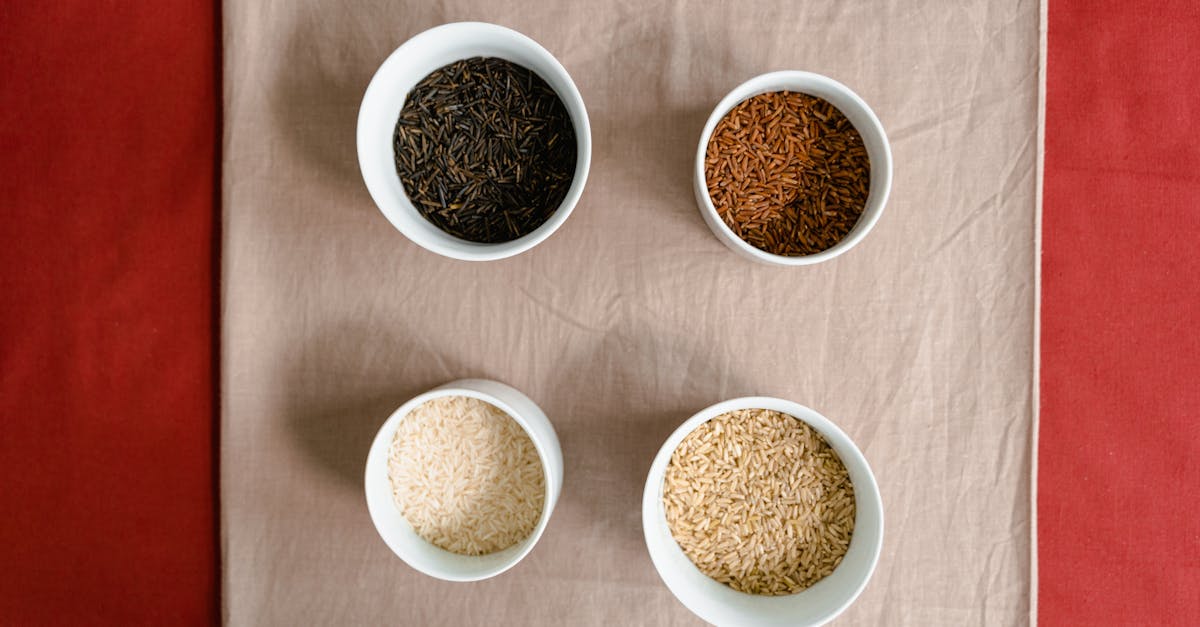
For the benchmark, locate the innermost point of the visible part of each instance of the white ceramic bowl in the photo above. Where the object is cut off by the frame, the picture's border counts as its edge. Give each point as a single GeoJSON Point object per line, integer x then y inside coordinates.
{"type": "Point", "coordinates": [384, 99]}
{"type": "Point", "coordinates": [399, 535]}
{"type": "Point", "coordinates": [859, 114]}
{"type": "Point", "coordinates": [721, 605]}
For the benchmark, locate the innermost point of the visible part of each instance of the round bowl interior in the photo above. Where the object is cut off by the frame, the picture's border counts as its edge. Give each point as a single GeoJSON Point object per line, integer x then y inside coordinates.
{"type": "Point", "coordinates": [859, 114]}
{"type": "Point", "coordinates": [399, 535]}
{"type": "Point", "coordinates": [403, 69]}
{"type": "Point", "coordinates": [722, 605]}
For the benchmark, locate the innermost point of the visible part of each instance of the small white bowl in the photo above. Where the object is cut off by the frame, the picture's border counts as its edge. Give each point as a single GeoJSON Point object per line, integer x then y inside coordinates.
{"type": "Point", "coordinates": [398, 534]}
{"type": "Point", "coordinates": [721, 605]}
{"type": "Point", "coordinates": [859, 114]}
{"type": "Point", "coordinates": [384, 99]}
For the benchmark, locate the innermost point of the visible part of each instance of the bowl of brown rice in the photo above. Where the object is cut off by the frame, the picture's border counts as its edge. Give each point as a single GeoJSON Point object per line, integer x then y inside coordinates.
{"type": "Point", "coordinates": [793, 168]}
{"type": "Point", "coordinates": [461, 480]}
{"type": "Point", "coordinates": [760, 511]}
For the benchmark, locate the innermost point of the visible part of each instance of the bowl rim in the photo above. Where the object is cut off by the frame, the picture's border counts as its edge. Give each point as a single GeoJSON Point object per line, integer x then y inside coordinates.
{"type": "Point", "coordinates": [867, 495]}
{"type": "Point", "coordinates": [572, 101]}
{"type": "Point", "coordinates": [379, 448]}
{"type": "Point", "coordinates": [759, 85]}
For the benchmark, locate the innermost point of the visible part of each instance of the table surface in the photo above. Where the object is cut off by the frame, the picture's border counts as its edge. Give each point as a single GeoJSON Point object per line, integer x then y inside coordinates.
{"type": "Point", "coordinates": [631, 317]}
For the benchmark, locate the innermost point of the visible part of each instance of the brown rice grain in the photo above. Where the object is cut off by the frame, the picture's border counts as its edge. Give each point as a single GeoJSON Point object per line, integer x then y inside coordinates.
{"type": "Point", "coordinates": [759, 501]}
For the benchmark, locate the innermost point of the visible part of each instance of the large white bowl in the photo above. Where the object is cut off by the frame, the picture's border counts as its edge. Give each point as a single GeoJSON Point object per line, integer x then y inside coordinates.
{"type": "Point", "coordinates": [859, 114]}
{"type": "Point", "coordinates": [398, 534]}
{"type": "Point", "coordinates": [384, 99]}
{"type": "Point", "coordinates": [721, 605]}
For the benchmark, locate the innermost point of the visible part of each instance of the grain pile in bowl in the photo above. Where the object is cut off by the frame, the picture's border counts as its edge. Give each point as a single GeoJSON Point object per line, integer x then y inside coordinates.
{"type": "Point", "coordinates": [759, 501]}
{"type": "Point", "coordinates": [485, 149]}
{"type": "Point", "coordinates": [466, 476]}
{"type": "Point", "coordinates": [788, 173]}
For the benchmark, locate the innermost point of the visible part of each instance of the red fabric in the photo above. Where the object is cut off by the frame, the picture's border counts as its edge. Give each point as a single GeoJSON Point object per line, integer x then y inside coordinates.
{"type": "Point", "coordinates": [1119, 461]}
{"type": "Point", "coordinates": [108, 113]}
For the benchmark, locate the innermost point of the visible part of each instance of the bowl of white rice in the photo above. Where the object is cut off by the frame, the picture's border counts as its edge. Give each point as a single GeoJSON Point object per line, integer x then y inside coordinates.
{"type": "Point", "coordinates": [461, 480]}
{"type": "Point", "coordinates": [760, 511]}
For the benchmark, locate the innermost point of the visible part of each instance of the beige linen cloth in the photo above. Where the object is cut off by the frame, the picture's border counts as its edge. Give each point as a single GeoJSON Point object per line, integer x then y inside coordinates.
{"type": "Point", "coordinates": [633, 316]}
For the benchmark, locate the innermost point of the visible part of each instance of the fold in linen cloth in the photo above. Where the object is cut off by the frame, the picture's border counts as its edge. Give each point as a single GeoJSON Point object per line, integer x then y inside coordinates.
{"type": "Point", "coordinates": [918, 343]}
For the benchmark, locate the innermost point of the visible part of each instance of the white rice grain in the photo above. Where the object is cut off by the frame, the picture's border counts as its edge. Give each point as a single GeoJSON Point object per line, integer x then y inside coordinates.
{"type": "Point", "coordinates": [466, 476]}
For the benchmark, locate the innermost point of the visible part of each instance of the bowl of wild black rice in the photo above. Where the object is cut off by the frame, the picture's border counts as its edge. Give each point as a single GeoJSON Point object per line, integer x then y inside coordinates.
{"type": "Point", "coordinates": [793, 168]}
{"type": "Point", "coordinates": [761, 511]}
{"type": "Point", "coordinates": [474, 141]}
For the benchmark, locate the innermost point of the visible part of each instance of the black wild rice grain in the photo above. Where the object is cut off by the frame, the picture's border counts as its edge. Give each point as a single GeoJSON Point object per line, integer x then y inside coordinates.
{"type": "Point", "coordinates": [485, 149]}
